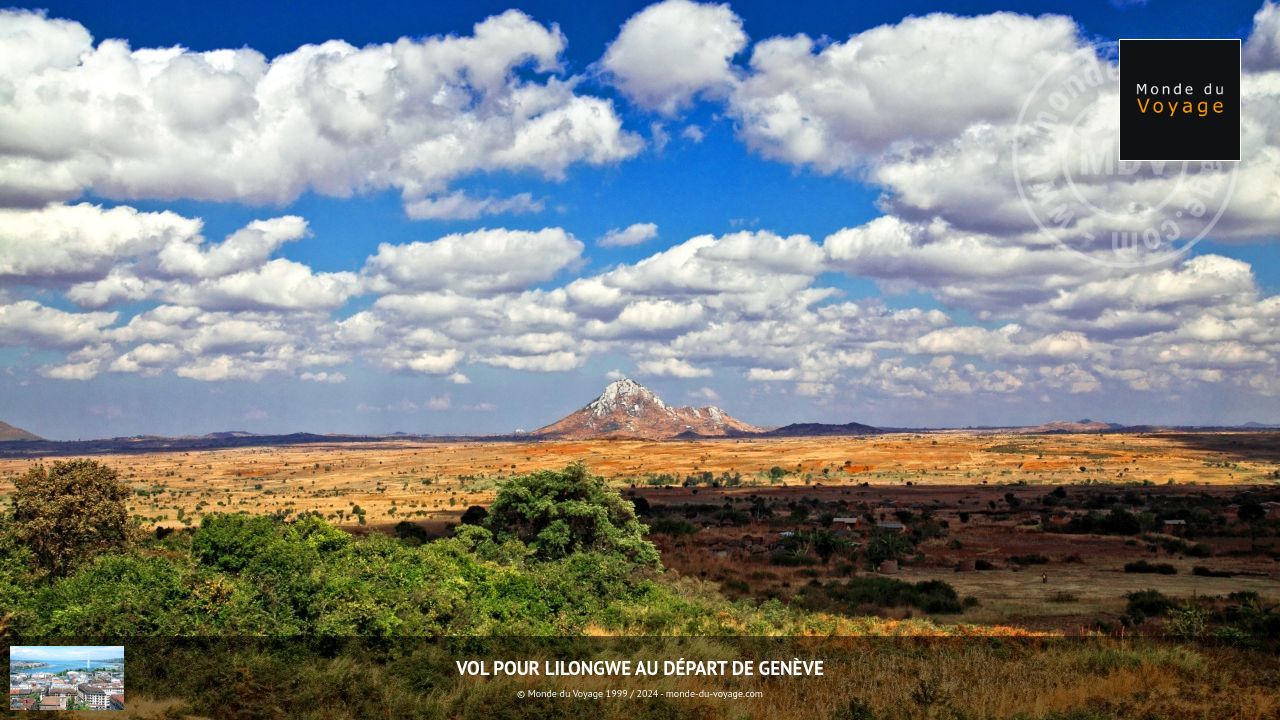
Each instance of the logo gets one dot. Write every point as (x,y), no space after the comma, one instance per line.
(1180,99)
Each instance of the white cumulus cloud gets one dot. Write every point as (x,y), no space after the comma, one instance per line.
(413,115)
(635,234)
(673,50)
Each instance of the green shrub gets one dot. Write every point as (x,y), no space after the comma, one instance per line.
(887,546)
(672,526)
(731,516)
(933,596)
(1200,550)
(411,532)
(231,541)
(1029,559)
(131,595)
(1148,603)
(1142,566)
(70,512)
(558,513)
(474,515)
(790,558)
(1186,622)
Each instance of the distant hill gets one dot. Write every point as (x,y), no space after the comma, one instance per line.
(627,409)
(822,429)
(161,443)
(1071,426)
(9,432)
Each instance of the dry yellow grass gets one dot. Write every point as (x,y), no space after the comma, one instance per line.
(393,481)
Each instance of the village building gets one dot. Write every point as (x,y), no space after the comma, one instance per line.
(93,696)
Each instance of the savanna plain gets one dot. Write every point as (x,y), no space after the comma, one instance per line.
(957,574)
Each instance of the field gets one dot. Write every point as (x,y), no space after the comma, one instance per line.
(392,481)
(1070,582)
(984,499)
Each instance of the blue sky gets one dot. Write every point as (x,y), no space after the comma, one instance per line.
(279,27)
(827,234)
(66,653)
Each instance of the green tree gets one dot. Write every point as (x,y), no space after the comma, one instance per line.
(1251,511)
(1252,514)
(15,570)
(69,513)
(474,515)
(558,513)
(232,541)
(887,546)
(824,543)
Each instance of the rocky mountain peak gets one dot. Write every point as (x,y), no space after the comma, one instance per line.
(627,409)
(626,396)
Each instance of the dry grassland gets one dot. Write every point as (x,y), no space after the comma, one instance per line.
(422,481)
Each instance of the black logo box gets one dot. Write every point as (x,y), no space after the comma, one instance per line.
(1186,64)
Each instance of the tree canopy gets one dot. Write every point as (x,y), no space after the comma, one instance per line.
(558,513)
(70,512)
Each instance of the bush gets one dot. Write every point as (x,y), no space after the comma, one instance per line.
(927,530)
(641,505)
(823,542)
(231,541)
(855,709)
(789,558)
(15,569)
(731,516)
(933,596)
(1148,603)
(1200,550)
(69,513)
(1203,571)
(1116,522)
(561,513)
(1250,616)
(1029,559)
(410,532)
(1245,597)
(887,546)
(672,526)
(1186,622)
(133,596)
(1142,566)
(474,515)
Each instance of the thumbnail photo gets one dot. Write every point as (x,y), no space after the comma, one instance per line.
(66,677)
